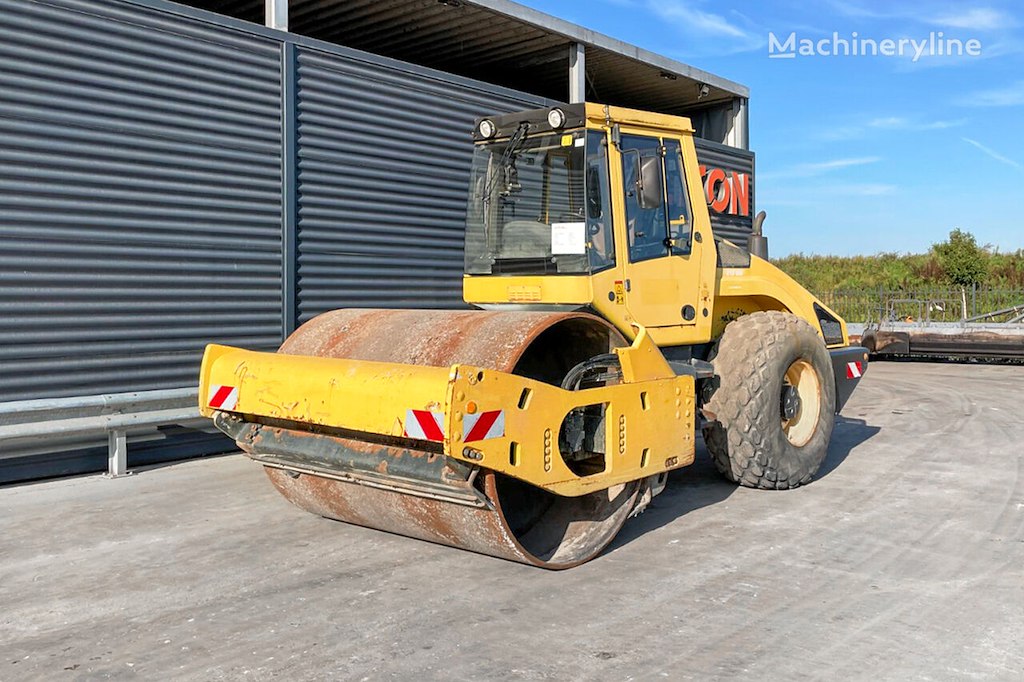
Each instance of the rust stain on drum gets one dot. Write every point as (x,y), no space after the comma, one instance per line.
(315,494)
(437,338)
(442,338)
(471,528)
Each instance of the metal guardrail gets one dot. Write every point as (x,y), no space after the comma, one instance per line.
(1014,315)
(932,303)
(113,413)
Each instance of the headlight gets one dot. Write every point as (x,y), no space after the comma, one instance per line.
(486,128)
(556,118)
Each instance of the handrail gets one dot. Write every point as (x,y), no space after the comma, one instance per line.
(1015,310)
(110,413)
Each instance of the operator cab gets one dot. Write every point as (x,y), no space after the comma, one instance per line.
(541,198)
(586,207)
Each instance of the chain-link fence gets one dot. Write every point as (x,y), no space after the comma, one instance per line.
(925,304)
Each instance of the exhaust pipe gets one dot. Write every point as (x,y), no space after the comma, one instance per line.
(758,243)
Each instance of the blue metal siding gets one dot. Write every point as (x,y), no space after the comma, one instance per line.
(159,164)
(383,164)
(140,193)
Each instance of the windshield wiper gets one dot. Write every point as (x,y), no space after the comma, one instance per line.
(506,162)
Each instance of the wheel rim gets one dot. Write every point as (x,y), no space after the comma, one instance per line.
(803,380)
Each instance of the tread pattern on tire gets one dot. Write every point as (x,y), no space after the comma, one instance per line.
(745,438)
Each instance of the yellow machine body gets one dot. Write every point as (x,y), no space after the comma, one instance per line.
(658,288)
(649,417)
(530,429)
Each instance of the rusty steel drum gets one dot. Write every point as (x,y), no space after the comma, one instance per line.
(486,512)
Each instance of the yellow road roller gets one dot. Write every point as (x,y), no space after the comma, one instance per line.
(608,323)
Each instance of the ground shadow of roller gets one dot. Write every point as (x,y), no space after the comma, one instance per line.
(700,485)
(690,488)
(846,435)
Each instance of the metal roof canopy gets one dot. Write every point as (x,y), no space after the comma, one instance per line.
(505,43)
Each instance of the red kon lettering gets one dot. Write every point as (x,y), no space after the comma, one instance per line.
(727,191)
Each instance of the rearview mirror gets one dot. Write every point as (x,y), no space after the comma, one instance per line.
(651,183)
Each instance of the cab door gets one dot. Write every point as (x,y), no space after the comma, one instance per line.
(662,260)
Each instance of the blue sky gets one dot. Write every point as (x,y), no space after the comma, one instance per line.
(858,155)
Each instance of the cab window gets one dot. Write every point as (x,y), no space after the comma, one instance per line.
(646,228)
(677,200)
(601,241)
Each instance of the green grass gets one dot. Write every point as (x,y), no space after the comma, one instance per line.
(856,285)
(894,271)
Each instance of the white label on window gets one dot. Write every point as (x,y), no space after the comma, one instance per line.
(568,239)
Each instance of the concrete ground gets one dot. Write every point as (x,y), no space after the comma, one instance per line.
(905,560)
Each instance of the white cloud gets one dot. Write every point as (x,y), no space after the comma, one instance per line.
(707,31)
(976,19)
(993,153)
(688,16)
(820,194)
(900,123)
(822,166)
(808,170)
(864,189)
(942,125)
(853,9)
(952,16)
(888,123)
(703,22)
(1009,96)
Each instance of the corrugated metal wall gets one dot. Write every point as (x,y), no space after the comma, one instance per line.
(140,196)
(170,178)
(383,165)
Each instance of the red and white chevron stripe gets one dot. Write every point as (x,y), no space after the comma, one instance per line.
(483,426)
(854,370)
(223,397)
(424,425)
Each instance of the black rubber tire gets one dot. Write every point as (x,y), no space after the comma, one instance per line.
(744,431)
